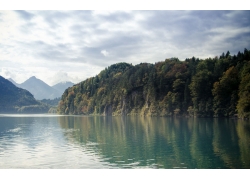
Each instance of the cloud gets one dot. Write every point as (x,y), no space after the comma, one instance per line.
(6,73)
(57,40)
(105,53)
(19,75)
(61,76)
(25,15)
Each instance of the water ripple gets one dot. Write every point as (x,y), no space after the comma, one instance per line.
(81,142)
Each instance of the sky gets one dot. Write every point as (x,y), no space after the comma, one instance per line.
(71,45)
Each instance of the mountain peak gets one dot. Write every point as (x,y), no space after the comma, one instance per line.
(33,77)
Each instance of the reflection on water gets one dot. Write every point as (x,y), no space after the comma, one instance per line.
(123,142)
(163,142)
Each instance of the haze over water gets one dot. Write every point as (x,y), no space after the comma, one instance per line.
(47,141)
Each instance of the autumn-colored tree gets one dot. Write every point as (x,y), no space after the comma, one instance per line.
(243,105)
(225,92)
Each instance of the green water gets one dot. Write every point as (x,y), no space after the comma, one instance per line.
(45,141)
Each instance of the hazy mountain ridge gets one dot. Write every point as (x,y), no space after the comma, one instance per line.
(62,86)
(11,80)
(41,90)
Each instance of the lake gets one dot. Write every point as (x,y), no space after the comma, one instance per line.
(86,142)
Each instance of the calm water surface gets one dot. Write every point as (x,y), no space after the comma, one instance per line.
(47,141)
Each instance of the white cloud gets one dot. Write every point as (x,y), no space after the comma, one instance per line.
(105,53)
(82,43)
(9,26)
(61,76)
(103,12)
(7,73)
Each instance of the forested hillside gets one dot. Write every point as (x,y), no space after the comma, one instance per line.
(213,87)
(17,100)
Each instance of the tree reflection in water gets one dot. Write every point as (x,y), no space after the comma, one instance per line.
(162,142)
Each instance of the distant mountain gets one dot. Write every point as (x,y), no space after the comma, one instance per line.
(11,80)
(62,86)
(18,100)
(40,89)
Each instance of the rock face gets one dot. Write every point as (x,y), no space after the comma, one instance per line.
(123,107)
(108,110)
(18,100)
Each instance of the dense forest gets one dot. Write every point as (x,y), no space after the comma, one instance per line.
(18,100)
(50,102)
(213,87)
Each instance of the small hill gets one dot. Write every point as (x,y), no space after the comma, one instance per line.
(18,100)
